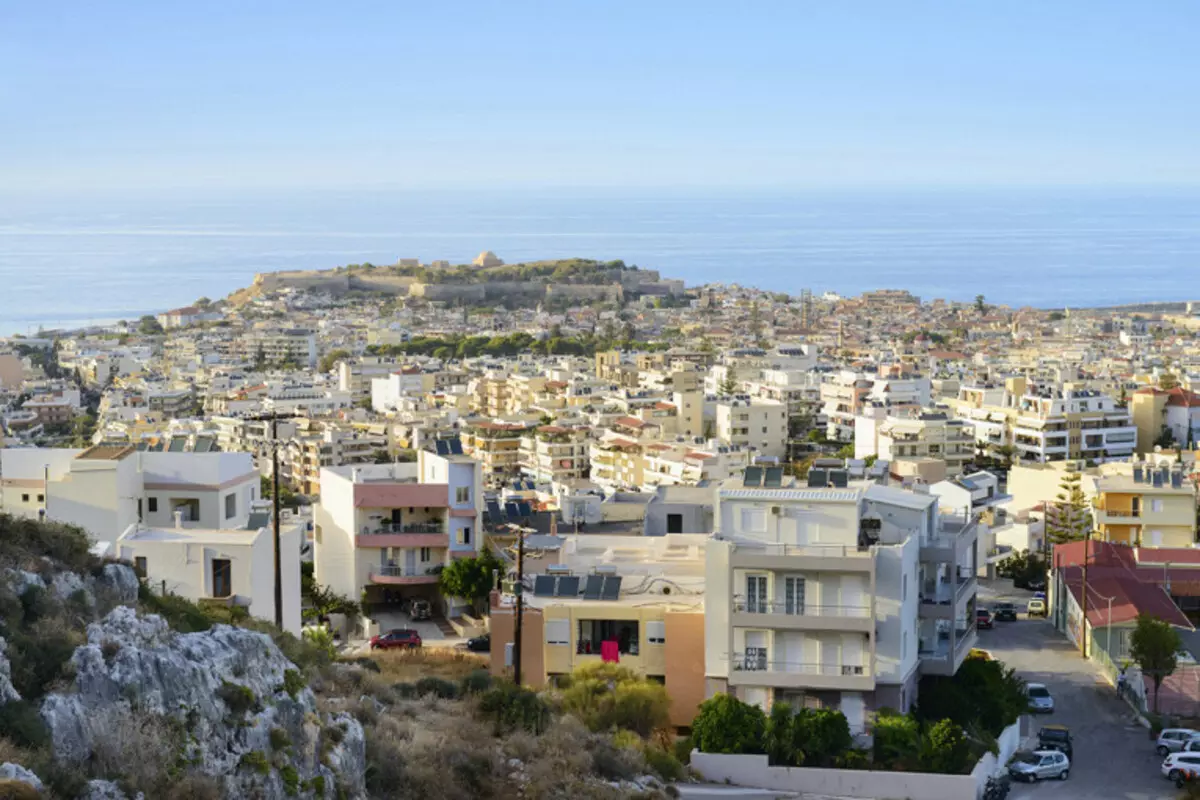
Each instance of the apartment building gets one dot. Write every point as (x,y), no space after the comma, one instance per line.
(316,446)
(225,567)
(688,462)
(107,488)
(928,444)
(845,395)
(388,392)
(289,345)
(1043,423)
(356,375)
(638,599)
(383,531)
(616,462)
(758,424)
(554,453)
(1149,506)
(834,592)
(497,447)
(1175,412)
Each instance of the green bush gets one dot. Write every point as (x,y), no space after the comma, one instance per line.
(820,736)
(476,681)
(981,694)
(21,723)
(27,540)
(317,785)
(683,749)
(255,762)
(727,725)
(945,749)
(778,736)
(663,763)
(180,613)
(897,741)
(364,662)
(404,690)
(438,687)
(607,697)
(293,682)
(321,639)
(512,707)
(239,699)
(279,739)
(290,778)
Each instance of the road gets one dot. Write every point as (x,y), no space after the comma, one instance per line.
(1114,756)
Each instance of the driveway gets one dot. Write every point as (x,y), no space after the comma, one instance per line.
(1114,756)
(431,634)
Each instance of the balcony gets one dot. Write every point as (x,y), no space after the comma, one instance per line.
(757,669)
(413,534)
(801,617)
(816,557)
(404,576)
(947,655)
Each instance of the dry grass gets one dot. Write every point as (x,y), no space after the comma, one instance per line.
(11,753)
(409,666)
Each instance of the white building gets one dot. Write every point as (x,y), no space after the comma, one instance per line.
(758,424)
(846,394)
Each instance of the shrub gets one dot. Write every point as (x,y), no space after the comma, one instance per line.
(41,654)
(514,707)
(290,778)
(293,682)
(321,639)
(21,723)
(279,739)
(404,690)
(361,661)
(335,734)
(614,762)
(142,750)
(317,785)
(237,698)
(727,725)
(819,736)
(255,762)
(180,613)
(853,759)
(945,749)
(778,738)
(438,687)
(17,790)
(608,696)
(476,682)
(109,650)
(982,693)
(897,741)
(683,749)
(663,763)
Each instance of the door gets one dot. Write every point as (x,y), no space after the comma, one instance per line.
(852,654)
(756,650)
(222,577)
(1156,538)
(793,595)
(855,710)
(831,656)
(792,652)
(396,519)
(756,594)
(410,562)
(674,523)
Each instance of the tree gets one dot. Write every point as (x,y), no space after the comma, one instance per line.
(944,748)
(148,325)
(1006,451)
(819,736)
(470,578)
(330,359)
(1024,568)
(1071,518)
(1153,646)
(202,302)
(1168,381)
(980,305)
(730,384)
(777,736)
(727,725)
(607,697)
(981,695)
(897,741)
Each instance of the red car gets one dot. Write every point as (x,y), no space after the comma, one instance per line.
(403,638)
(983,618)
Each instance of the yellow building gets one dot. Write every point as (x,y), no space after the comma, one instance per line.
(1155,506)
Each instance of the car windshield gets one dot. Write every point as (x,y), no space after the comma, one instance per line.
(1003,606)
(1053,736)
(1028,758)
(1038,691)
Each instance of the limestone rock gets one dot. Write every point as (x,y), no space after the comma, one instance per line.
(8,692)
(117,583)
(15,772)
(106,790)
(66,584)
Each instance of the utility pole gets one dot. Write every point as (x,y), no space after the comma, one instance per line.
(1083,625)
(520,606)
(275,519)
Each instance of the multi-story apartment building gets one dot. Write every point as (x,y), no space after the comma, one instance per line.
(283,346)
(497,447)
(1047,424)
(553,453)
(355,375)
(643,597)
(1150,506)
(758,424)
(616,462)
(687,463)
(834,593)
(386,529)
(315,447)
(927,444)
(1157,411)
(846,394)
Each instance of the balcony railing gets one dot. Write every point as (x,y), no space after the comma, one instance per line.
(410,527)
(818,550)
(799,609)
(1122,514)
(404,572)
(759,661)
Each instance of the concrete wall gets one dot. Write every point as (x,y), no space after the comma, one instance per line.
(684,657)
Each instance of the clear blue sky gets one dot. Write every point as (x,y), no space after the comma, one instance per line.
(96,95)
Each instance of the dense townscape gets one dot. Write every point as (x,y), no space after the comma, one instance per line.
(581,501)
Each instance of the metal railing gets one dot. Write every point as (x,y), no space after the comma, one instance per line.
(761,662)
(818,550)
(800,609)
(410,527)
(1122,514)
(392,571)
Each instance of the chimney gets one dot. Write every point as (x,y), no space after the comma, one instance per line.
(178,519)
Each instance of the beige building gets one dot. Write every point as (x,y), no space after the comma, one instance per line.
(1151,506)
(555,453)
(909,440)
(758,424)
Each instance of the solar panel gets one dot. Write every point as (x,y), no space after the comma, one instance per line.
(511,511)
(524,509)
(753,476)
(543,585)
(529,486)
(495,515)
(593,587)
(818,478)
(568,586)
(516,485)
(773,477)
(612,587)
(838,478)
(456,447)
(443,449)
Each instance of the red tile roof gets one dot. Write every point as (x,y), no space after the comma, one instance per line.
(398,495)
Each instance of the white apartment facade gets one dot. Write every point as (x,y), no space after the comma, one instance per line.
(845,394)
(758,424)
(924,436)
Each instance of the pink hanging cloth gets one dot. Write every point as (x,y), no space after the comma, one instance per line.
(609,652)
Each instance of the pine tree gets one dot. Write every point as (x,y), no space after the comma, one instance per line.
(730,384)
(1071,520)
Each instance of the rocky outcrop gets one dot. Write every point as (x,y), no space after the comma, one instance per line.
(15,772)
(8,692)
(242,715)
(112,585)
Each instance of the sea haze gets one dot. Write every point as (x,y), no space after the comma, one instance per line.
(70,262)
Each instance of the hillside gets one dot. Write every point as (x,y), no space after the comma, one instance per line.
(109,691)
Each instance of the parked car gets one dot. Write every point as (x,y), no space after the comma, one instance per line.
(1004,612)
(480,644)
(983,618)
(1035,608)
(1172,740)
(400,638)
(1191,746)
(1056,737)
(1179,765)
(1039,595)
(979,652)
(1040,700)
(420,609)
(1040,764)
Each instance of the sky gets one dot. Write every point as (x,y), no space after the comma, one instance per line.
(243,96)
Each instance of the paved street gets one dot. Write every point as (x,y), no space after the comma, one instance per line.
(1114,757)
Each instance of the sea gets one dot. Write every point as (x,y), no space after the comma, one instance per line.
(100,257)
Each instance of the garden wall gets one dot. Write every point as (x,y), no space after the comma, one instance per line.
(753,771)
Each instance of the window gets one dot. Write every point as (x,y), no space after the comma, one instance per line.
(24,498)
(674,523)
(756,594)
(152,504)
(139,566)
(1156,503)
(462,494)
(464,536)
(424,553)
(656,632)
(222,577)
(754,520)
(42,498)
(230,506)
(793,595)
(756,659)
(594,632)
(558,631)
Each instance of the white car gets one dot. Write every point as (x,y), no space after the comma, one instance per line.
(1040,764)
(1179,763)
(1172,740)
(1040,701)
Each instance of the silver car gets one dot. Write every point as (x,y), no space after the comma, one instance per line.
(1040,701)
(1039,765)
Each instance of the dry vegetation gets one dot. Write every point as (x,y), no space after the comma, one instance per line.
(398,666)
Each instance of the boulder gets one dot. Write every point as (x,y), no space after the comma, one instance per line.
(15,772)
(8,692)
(115,583)
(106,790)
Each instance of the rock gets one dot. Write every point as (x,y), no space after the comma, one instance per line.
(116,583)
(8,692)
(66,584)
(185,676)
(106,790)
(20,581)
(15,772)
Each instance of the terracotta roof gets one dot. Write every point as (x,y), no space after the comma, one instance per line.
(630,422)
(398,495)
(664,406)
